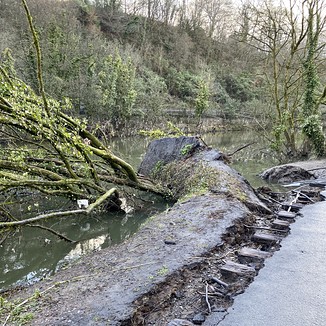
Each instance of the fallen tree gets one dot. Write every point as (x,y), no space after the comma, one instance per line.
(45,150)
(215,216)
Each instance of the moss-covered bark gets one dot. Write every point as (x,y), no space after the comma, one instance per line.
(46,150)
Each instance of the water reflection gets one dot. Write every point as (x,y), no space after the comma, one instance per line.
(33,253)
(85,247)
(249,161)
(130,149)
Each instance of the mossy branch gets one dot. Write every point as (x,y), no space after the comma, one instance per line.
(38,57)
(41,217)
(50,152)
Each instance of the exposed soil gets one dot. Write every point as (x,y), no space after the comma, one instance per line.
(171,269)
(195,290)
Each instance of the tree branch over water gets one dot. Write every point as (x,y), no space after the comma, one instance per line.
(40,217)
(49,152)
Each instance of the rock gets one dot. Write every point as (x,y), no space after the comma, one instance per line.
(286,174)
(179,322)
(166,150)
(199,319)
(215,317)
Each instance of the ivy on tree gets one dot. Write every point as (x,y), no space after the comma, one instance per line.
(50,152)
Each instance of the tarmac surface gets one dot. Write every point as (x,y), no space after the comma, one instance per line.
(291,289)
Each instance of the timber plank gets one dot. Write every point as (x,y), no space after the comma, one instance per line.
(304,200)
(285,215)
(293,207)
(249,255)
(265,238)
(318,184)
(231,270)
(280,224)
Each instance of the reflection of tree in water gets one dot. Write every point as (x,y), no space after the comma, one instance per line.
(29,256)
(32,253)
(85,247)
(122,226)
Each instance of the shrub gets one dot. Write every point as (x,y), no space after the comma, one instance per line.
(182,84)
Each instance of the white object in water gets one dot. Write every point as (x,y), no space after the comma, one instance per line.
(125,207)
(82,203)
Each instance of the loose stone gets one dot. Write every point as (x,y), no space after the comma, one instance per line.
(179,322)
(199,319)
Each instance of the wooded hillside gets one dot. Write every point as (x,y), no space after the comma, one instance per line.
(141,61)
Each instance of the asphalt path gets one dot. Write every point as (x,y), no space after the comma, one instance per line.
(291,289)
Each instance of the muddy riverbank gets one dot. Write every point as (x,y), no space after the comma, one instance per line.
(165,271)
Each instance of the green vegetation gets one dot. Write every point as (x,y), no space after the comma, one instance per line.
(202,99)
(117,65)
(186,178)
(312,126)
(186,149)
(17,312)
(289,37)
(163,271)
(116,84)
(127,70)
(131,67)
(170,130)
(153,134)
(52,153)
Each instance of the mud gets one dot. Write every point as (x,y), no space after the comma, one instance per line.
(164,272)
(103,288)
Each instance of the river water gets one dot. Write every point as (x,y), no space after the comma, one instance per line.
(32,253)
